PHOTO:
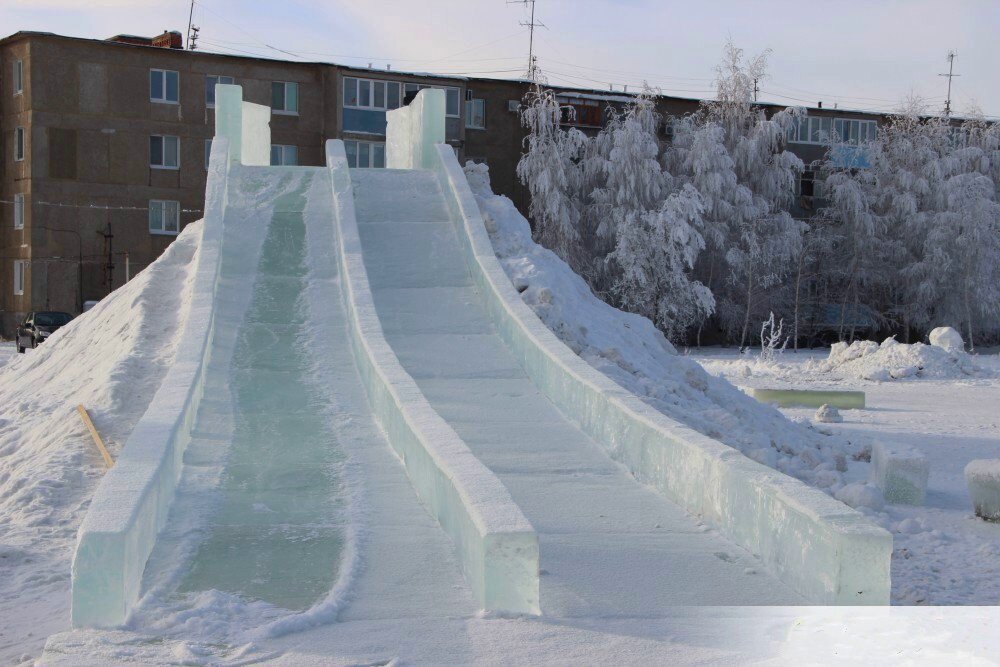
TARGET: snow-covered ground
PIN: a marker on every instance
(942, 553)
(111, 360)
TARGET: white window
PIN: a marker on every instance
(284, 97)
(211, 80)
(475, 114)
(164, 152)
(164, 86)
(284, 156)
(372, 94)
(18, 144)
(825, 130)
(208, 152)
(164, 217)
(365, 154)
(18, 77)
(20, 275)
(19, 211)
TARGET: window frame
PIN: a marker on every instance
(17, 77)
(284, 111)
(161, 205)
(372, 148)
(368, 104)
(19, 210)
(20, 145)
(811, 130)
(163, 151)
(218, 80)
(283, 150)
(482, 103)
(20, 276)
(163, 87)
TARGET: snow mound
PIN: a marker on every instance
(867, 360)
(947, 338)
(631, 351)
(828, 414)
(110, 359)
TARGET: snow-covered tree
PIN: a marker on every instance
(549, 168)
(655, 254)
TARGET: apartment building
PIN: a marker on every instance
(105, 144)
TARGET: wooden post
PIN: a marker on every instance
(95, 435)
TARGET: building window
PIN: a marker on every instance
(475, 114)
(164, 152)
(19, 211)
(371, 94)
(580, 112)
(20, 275)
(387, 95)
(164, 217)
(284, 156)
(163, 86)
(18, 77)
(824, 130)
(208, 152)
(212, 80)
(284, 97)
(365, 154)
(18, 144)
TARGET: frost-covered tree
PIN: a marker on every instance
(549, 168)
(654, 256)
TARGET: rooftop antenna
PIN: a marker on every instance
(192, 32)
(531, 25)
(950, 75)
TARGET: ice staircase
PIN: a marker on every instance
(608, 545)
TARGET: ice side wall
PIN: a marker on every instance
(823, 549)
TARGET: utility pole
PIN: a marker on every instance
(756, 89)
(531, 25)
(192, 33)
(109, 267)
(951, 75)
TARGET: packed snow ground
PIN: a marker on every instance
(942, 553)
(111, 360)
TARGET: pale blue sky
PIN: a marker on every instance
(858, 54)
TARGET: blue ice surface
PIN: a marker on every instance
(278, 530)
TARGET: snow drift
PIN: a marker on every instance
(111, 359)
(892, 360)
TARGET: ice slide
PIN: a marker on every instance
(503, 473)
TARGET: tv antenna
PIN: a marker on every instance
(192, 33)
(951, 75)
(530, 25)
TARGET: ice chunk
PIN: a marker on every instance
(901, 472)
(948, 339)
(861, 495)
(983, 478)
(412, 131)
(828, 414)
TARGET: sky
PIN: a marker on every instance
(849, 53)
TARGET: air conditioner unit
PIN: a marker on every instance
(513, 106)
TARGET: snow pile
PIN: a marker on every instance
(867, 360)
(828, 414)
(111, 359)
(631, 351)
(947, 338)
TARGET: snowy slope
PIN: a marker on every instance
(632, 352)
(111, 359)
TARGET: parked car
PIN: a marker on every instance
(39, 326)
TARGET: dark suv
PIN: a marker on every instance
(39, 326)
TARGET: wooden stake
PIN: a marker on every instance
(95, 435)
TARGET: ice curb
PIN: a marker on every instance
(131, 503)
(496, 544)
(821, 548)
